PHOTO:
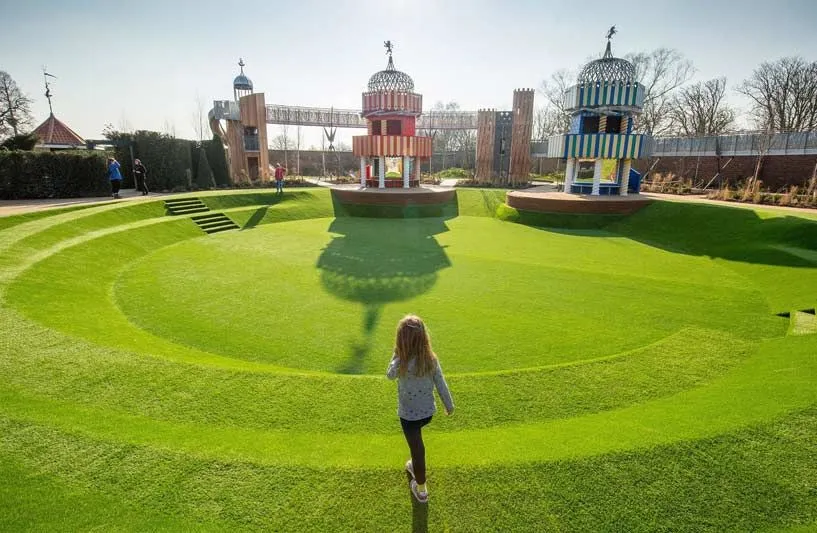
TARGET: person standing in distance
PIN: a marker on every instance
(280, 172)
(140, 174)
(417, 370)
(115, 176)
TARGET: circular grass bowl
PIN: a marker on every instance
(235, 380)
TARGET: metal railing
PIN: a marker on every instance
(343, 118)
(794, 143)
(738, 144)
(314, 116)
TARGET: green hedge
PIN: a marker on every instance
(217, 157)
(172, 165)
(53, 174)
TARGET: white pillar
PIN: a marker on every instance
(406, 171)
(417, 169)
(596, 178)
(626, 165)
(381, 184)
(570, 169)
(363, 172)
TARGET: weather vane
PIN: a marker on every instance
(46, 75)
(612, 31)
(389, 46)
(241, 64)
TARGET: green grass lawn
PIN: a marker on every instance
(630, 374)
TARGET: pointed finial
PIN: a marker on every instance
(46, 75)
(608, 52)
(612, 31)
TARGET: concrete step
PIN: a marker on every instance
(189, 210)
(220, 229)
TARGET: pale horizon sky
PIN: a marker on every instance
(144, 64)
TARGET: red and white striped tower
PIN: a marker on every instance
(391, 152)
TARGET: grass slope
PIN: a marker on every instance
(630, 377)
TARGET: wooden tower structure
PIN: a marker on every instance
(391, 151)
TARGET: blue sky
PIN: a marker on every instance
(145, 63)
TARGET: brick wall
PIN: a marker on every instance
(776, 172)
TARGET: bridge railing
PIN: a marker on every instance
(742, 144)
(447, 120)
(344, 118)
(226, 110)
(314, 116)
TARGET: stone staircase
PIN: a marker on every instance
(803, 322)
(209, 223)
(214, 222)
(185, 206)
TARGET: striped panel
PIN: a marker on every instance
(597, 145)
(392, 101)
(604, 94)
(391, 146)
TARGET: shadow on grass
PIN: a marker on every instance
(256, 217)
(734, 234)
(378, 262)
(419, 511)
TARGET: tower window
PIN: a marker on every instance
(613, 125)
(394, 127)
(590, 124)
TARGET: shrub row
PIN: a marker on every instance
(173, 165)
(52, 174)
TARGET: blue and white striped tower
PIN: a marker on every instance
(600, 145)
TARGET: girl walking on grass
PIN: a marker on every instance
(418, 373)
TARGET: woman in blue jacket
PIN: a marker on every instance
(115, 176)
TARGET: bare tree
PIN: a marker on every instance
(299, 138)
(125, 125)
(169, 128)
(661, 72)
(700, 109)
(465, 141)
(283, 142)
(15, 107)
(548, 121)
(552, 119)
(198, 118)
(784, 95)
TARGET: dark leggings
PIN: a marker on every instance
(413, 431)
(115, 184)
(141, 185)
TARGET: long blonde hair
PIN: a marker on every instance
(413, 341)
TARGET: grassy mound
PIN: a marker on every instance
(633, 376)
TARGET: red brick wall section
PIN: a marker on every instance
(776, 172)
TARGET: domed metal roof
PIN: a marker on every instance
(391, 79)
(242, 82)
(608, 69)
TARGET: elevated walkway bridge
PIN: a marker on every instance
(343, 118)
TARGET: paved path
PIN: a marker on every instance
(17, 207)
(701, 199)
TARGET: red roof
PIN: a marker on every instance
(54, 132)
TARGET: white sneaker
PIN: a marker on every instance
(421, 496)
(410, 468)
